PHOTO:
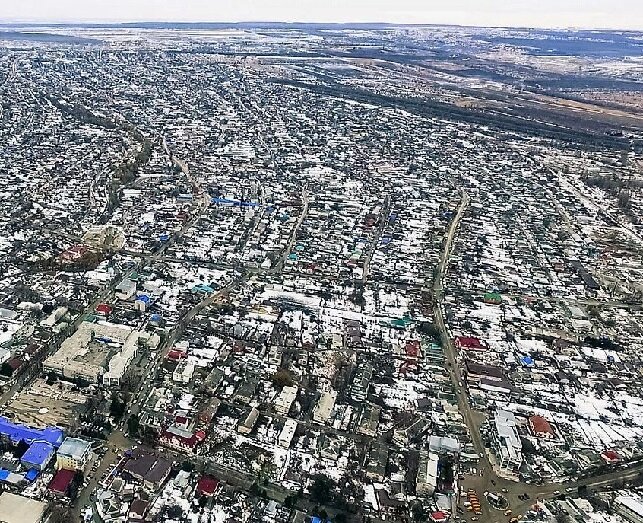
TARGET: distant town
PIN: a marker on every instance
(308, 273)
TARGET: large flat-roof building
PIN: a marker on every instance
(38, 455)
(97, 353)
(19, 509)
(506, 441)
(285, 399)
(16, 432)
(324, 407)
(630, 507)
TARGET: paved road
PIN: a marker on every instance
(278, 267)
(384, 214)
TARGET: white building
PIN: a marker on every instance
(125, 289)
(287, 433)
(506, 441)
(630, 507)
(427, 477)
(324, 407)
(73, 454)
(285, 399)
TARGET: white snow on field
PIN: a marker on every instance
(600, 354)
(529, 346)
(401, 395)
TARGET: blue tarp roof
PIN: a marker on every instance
(31, 475)
(17, 433)
(4, 474)
(39, 453)
(527, 360)
(144, 298)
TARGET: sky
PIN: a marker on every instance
(605, 14)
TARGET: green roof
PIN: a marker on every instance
(493, 296)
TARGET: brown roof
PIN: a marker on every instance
(146, 466)
(540, 425)
(484, 370)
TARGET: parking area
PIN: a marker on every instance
(45, 404)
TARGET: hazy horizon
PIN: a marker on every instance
(598, 14)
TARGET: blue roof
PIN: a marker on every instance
(156, 317)
(201, 287)
(17, 433)
(143, 298)
(238, 203)
(31, 474)
(4, 474)
(527, 360)
(39, 453)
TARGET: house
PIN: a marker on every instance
(125, 289)
(439, 516)
(427, 476)
(207, 486)
(137, 510)
(376, 462)
(540, 427)
(181, 439)
(142, 302)
(324, 407)
(469, 343)
(15, 433)
(61, 482)
(148, 468)
(610, 456)
(103, 309)
(249, 422)
(506, 441)
(630, 507)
